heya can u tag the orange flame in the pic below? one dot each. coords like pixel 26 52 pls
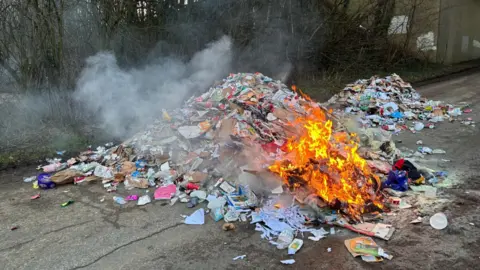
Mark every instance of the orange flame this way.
pixel 328 163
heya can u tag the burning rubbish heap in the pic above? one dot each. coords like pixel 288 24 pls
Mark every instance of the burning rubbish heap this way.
pixel 285 132
pixel 247 138
pixel 328 162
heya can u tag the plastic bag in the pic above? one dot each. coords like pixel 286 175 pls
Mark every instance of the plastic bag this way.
pixel 397 180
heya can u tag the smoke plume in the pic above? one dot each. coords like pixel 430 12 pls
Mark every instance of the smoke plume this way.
pixel 124 100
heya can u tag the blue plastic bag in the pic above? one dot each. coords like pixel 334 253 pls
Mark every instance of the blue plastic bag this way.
pixel 396 180
pixel 44 181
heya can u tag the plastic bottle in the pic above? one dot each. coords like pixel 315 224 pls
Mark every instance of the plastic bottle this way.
pixel 285 238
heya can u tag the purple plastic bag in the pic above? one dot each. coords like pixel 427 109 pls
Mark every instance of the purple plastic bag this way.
pixel 44 181
pixel 396 180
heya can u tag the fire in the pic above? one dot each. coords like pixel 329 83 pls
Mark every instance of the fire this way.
pixel 328 163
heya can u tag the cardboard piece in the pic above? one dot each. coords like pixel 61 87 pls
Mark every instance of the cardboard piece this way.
pixel 226 128
pixel 353 247
pixel 196 177
pixel 128 167
pixel 283 114
pixel 379 230
pixel 65 177
pixel 91 178
pixel 132 182
pixel 380 166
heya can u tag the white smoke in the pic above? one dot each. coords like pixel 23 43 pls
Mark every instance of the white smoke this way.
pixel 123 99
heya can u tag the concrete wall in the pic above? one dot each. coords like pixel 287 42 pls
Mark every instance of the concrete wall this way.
pixel 419 32
pixel 443 31
pixel 458 31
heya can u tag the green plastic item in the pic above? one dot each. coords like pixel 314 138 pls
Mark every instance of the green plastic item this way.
pixel 65 204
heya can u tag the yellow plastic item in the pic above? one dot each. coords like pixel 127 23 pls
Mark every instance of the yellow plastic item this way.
pixel 165 115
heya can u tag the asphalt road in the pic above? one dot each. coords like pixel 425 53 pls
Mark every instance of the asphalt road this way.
pixel 91 234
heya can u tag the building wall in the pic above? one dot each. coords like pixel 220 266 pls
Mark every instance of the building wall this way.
pixel 458 31
pixel 443 31
pixel 420 31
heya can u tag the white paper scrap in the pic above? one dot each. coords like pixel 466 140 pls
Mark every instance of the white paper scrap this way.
pixel 291 261
pixel 196 218
pixel 241 257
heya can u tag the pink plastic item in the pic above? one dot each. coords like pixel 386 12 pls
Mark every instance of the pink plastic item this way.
pixel 165 193
pixel 132 198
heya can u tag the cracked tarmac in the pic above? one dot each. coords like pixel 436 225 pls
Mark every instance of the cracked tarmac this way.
pixel 90 234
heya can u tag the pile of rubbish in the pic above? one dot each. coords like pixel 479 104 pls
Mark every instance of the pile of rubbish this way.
pixel 389 102
pixel 235 152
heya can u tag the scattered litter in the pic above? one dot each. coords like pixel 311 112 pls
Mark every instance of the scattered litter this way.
pixel 67 203
pixel 131 198
pixel 439 221
pixel 419 126
pixel 145 199
pixel 250 128
pixel 216 203
pixel 200 194
pixel 438 151
pixel 365 246
pixel 36 196
pixel 193 202
pixel 417 220
pixel 379 230
pixel 165 193
pixel 317 234
pixel 228 226
pixel 241 257
pixel 285 238
pixel 290 261
pixel 425 150
pixel 44 181
pixel 231 215
pixel 65 176
pixel 196 218
pixel 295 246
pixel 103 172
pixel 329 250
pixel 29 179
pixel 13 228
pixel 119 200
pixel 397 180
